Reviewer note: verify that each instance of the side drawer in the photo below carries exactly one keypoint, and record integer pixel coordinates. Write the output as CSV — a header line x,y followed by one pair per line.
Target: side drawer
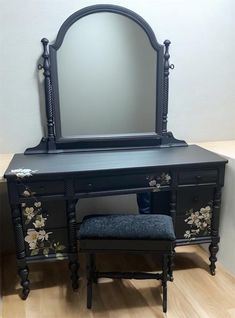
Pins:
x,y
52,243
184,231
197,176
40,188
193,213
49,214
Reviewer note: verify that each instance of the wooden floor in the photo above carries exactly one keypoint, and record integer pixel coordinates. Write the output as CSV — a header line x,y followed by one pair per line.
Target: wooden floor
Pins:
x,y
193,294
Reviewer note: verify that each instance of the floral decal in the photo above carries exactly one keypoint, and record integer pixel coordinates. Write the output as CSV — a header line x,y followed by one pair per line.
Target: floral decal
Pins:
x,y
39,241
21,173
158,181
199,222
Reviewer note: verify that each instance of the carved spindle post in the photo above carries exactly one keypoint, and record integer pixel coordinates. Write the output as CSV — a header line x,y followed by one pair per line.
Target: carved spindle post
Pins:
x,y
89,280
164,282
48,96
173,199
166,86
72,241
23,270
214,248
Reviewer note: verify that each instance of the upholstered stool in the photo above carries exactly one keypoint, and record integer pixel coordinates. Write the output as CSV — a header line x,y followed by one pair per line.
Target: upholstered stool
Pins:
x,y
146,234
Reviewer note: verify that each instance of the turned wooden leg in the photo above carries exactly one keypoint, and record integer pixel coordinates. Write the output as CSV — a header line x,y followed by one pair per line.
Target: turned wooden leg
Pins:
x,y
164,281
173,203
74,267
93,268
24,282
23,270
89,280
72,242
171,265
214,248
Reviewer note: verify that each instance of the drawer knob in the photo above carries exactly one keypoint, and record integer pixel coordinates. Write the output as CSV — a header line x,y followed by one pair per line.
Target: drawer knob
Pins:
x,y
196,198
198,178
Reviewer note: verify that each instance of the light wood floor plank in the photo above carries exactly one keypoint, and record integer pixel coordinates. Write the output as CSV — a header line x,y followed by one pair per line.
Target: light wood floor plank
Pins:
x,y
193,294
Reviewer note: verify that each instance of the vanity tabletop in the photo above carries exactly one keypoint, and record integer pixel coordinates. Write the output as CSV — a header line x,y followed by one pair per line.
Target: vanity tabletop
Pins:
x,y
112,160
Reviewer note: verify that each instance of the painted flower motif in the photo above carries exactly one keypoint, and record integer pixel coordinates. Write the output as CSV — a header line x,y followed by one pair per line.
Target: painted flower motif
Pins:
x,y
39,222
206,213
199,222
166,177
37,204
39,241
152,183
31,237
193,218
158,181
43,235
187,234
29,212
26,193
21,173
33,245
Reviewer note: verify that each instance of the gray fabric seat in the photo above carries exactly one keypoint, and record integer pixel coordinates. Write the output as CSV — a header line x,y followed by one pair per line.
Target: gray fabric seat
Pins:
x,y
124,226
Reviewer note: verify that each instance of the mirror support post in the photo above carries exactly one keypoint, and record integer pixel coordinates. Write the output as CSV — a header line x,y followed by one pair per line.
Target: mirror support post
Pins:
x,y
166,86
48,97
167,138
54,142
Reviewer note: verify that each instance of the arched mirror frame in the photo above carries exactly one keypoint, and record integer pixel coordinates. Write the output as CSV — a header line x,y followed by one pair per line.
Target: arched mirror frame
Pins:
x,y
54,142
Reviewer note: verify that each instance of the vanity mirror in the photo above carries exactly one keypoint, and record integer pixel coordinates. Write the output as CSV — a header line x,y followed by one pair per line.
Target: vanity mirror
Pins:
x,y
106,83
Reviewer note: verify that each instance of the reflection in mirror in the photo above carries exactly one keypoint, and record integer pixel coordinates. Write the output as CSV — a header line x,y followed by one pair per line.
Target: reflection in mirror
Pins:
x,y
107,77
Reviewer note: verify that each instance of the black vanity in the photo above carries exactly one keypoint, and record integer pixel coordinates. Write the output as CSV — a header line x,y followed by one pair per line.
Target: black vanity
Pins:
x,y
106,89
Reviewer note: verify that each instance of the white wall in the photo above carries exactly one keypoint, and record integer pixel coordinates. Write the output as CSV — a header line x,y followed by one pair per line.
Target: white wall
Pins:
x,y
202,86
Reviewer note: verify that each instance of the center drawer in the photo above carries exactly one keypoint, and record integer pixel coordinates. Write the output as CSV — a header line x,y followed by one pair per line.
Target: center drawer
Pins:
x,y
93,184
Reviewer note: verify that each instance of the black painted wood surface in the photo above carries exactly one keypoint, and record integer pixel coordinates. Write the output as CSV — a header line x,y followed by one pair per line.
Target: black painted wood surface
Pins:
x,y
115,161
194,186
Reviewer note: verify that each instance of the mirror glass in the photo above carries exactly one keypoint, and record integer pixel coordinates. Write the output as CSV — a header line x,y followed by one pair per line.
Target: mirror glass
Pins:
x,y
107,78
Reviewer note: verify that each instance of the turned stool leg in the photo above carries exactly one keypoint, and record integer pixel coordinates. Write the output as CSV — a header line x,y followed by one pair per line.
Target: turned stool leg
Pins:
x,y
171,265
93,268
164,281
89,280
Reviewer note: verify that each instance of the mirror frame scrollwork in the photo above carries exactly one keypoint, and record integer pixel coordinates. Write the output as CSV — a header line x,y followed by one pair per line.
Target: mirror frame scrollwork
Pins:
x,y
54,142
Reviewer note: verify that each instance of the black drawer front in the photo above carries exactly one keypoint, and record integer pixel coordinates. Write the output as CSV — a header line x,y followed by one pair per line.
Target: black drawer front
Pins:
x,y
193,198
190,232
193,213
49,214
41,188
53,242
94,184
197,176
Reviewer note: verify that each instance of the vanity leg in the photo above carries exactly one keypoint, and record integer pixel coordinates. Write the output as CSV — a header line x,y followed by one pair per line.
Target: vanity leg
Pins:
x,y
72,241
213,248
171,265
23,270
173,198
24,282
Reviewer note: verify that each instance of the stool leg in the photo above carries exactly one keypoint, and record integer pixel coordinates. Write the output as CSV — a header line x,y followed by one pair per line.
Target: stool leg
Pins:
x,y
164,281
171,265
93,269
89,281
